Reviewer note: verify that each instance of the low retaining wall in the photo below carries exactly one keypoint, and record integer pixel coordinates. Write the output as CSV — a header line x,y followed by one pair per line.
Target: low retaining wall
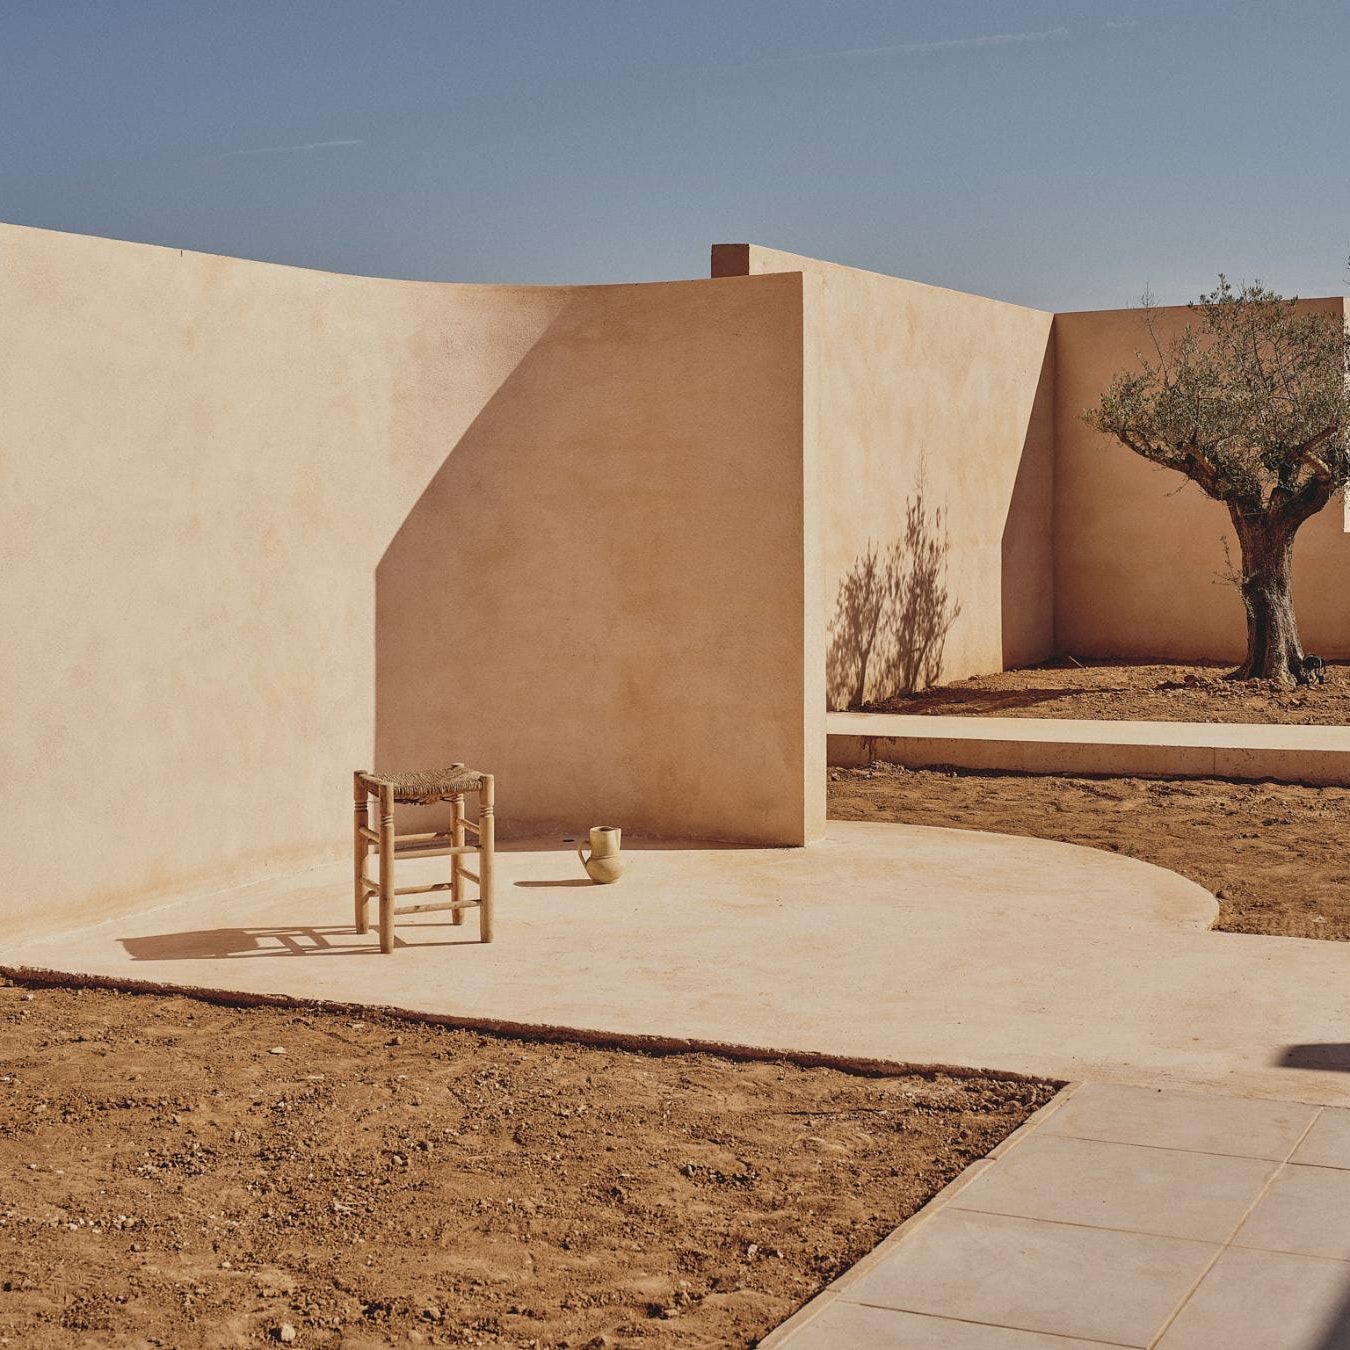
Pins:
x,y
1285,754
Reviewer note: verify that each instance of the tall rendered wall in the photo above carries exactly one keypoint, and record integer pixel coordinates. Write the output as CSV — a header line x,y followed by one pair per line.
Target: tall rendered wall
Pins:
x,y
600,594
934,420
210,469
1139,550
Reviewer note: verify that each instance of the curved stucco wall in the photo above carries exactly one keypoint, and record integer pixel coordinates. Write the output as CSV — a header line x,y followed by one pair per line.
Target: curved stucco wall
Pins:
x,y
205,461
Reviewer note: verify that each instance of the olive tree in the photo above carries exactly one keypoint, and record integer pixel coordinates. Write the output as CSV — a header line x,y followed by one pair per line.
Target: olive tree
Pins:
x,y
1250,403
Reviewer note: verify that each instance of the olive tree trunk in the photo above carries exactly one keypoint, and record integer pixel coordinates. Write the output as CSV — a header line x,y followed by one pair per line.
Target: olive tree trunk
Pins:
x,y
1274,648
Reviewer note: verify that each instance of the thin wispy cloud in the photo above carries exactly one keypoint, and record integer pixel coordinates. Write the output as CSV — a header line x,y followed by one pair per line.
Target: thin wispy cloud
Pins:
x,y
1122,23
281,149
920,48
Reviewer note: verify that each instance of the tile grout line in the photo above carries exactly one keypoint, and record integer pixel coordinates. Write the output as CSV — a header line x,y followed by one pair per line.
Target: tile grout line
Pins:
x,y
999,1326
1201,1152
1280,1251
1092,1227
1228,1242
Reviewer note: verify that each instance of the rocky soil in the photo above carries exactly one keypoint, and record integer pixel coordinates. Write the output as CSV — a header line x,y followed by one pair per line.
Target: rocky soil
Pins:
x,y
179,1174
1148,692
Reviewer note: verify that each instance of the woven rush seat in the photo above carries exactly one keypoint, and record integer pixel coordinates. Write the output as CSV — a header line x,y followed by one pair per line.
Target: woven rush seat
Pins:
x,y
427,785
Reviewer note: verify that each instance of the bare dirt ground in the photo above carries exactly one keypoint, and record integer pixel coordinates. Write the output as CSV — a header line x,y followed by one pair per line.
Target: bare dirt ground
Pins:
x,y
1146,692
179,1174
1273,853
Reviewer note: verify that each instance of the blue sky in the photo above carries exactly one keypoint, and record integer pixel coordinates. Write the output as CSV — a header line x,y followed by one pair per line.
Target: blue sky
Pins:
x,y
1059,154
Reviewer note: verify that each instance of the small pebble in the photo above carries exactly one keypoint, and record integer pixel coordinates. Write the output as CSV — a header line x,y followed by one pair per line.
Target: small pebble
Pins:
x,y
277,1050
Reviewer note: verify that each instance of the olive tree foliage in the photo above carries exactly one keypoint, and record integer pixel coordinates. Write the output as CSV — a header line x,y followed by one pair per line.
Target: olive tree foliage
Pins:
x,y
1251,403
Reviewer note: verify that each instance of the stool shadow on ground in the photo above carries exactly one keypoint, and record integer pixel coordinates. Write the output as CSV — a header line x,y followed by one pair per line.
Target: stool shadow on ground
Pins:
x,y
1333,1056
214,944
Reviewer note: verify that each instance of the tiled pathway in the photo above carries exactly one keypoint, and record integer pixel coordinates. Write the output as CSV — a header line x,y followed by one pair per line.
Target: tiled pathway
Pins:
x,y
1121,1216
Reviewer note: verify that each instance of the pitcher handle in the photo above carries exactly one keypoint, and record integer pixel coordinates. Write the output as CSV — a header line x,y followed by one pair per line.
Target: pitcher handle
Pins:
x,y
580,854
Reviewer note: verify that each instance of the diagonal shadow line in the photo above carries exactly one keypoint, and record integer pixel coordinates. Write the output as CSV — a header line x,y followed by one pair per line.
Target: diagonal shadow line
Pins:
x,y
404,594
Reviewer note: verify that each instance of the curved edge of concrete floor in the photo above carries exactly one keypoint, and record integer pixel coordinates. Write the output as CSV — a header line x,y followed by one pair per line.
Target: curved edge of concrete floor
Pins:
x,y
904,944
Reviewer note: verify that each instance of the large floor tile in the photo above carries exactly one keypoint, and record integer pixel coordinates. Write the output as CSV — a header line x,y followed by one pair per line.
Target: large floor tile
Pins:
x,y
1182,1120
1059,1279
1266,1301
1141,1190
1306,1211
1328,1142
847,1326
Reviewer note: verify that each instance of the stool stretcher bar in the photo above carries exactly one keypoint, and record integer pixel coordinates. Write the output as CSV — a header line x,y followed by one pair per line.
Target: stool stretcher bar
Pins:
x,y
373,837
430,909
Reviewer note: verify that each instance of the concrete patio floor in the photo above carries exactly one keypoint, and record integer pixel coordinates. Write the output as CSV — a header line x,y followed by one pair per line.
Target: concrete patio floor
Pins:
x,y
1118,1216
885,941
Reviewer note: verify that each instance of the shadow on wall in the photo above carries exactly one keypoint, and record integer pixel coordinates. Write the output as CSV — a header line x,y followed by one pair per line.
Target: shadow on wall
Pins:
x,y
1027,577
892,614
541,612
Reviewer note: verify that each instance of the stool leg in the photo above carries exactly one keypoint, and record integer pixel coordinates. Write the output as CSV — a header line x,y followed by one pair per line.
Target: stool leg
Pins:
x,y
487,847
386,870
456,859
360,848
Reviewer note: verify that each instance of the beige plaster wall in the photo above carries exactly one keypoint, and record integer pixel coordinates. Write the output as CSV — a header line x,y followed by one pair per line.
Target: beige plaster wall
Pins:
x,y
934,419
203,462
1139,550
601,592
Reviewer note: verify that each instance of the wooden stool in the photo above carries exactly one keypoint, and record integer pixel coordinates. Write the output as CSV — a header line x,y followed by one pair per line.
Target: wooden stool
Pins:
x,y
421,789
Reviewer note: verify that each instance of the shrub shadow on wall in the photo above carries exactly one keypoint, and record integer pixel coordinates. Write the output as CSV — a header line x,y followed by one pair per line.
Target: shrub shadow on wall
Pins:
x,y
893,613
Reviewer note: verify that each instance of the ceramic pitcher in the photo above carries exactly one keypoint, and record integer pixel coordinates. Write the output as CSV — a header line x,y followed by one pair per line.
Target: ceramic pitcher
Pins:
x,y
605,863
